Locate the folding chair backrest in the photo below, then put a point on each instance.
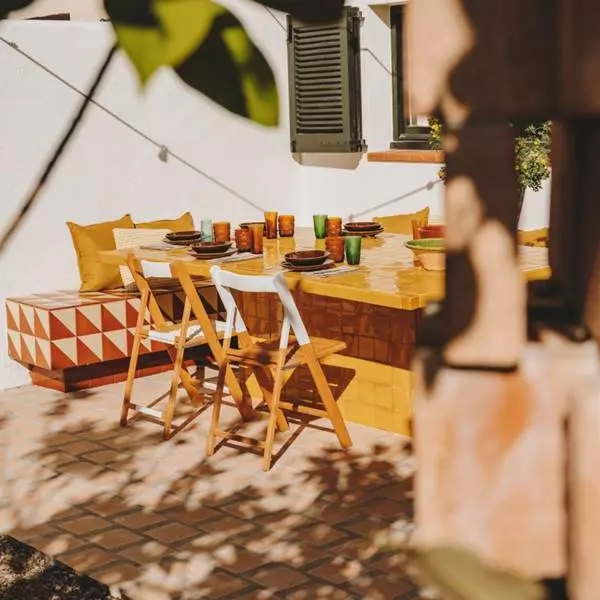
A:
(274, 284)
(156, 269)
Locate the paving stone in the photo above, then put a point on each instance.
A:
(191, 517)
(229, 525)
(220, 584)
(172, 532)
(279, 577)
(139, 519)
(320, 534)
(79, 469)
(332, 573)
(26, 535)
(316, 592)
(58, 544)
(366, 527)
(244, 561)
(116, 573)
(80, 447)
(87, 524)
(86, 559)
(106, 457)
(109, 508)
(58, 439)
(114, 539)
(146, 553)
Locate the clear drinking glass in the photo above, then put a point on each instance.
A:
(206, 225)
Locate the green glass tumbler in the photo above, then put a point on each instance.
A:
(353, 244)
(320, 225)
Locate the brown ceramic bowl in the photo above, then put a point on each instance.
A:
(306, 258)
(211, 247)
(180, 236)
(362, 226)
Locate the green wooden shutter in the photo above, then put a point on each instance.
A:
(325, 84)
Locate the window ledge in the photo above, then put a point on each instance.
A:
(407, 156)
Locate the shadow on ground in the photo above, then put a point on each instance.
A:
(160, 520)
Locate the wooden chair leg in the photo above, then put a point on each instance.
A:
(175, 379)
(177, 372)
(266, 383)
(135, 353)
(218, 398)
(274, 412)
(335, 416)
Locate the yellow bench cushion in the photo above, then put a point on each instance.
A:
(184, 223)
(533, 237)
(88, 241)
(402, 223)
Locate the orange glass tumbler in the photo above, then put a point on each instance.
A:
(243, 239)
(221, 231)
(287, 225)
(271, 225)
(257, 230)
(335, 246)
(333, 226)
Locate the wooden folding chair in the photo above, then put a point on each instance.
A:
(178, 337)
(272, 361)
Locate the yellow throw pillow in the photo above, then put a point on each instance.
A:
(184, 223)
(533, 237)
(402, 223)
(88, 241)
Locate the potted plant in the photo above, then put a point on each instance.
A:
(532, 154)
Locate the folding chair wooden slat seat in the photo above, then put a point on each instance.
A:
(178, 337)
(272, 361)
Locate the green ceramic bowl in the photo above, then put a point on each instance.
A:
(431, 253)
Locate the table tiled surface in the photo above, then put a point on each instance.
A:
(66, 329)
(163, 522)
(386, 276)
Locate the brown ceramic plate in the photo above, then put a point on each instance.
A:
(211, 247)
(364, 233)
(306, 258)
(211, 255)
(362, 226)
(181, 242)
(183, 235)
(328, 264)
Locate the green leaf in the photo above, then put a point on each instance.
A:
(308, 10)
(229, 69)
(460, 575)
(179, 27)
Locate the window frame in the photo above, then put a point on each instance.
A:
(405, 136)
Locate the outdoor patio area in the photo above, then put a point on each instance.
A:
(159, 520)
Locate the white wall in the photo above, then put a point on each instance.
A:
(108, 170)
(82, 10)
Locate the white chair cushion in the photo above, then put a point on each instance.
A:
(193, 331)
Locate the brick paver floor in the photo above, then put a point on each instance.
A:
(159, 520)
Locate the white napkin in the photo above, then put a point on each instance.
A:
(331, 272)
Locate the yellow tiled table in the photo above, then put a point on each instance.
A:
(376, 310)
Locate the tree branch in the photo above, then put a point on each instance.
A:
(19, 218)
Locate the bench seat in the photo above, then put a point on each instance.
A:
(72, 341)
